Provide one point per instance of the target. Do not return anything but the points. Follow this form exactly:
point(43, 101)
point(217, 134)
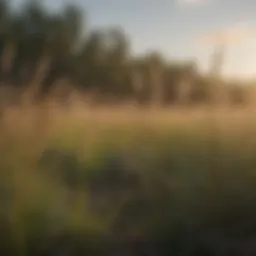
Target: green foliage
point(97, 189)
point(176, 191)
point(98, 62)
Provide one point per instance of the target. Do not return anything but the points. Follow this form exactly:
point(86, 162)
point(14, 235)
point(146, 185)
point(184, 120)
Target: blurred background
point(127, 127)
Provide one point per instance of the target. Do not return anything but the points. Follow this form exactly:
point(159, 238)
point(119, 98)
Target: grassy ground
point(86, 181)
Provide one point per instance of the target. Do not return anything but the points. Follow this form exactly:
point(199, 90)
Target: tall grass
point(95, 181)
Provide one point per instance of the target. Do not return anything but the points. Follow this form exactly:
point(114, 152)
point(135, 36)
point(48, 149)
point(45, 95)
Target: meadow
point(85, 172)
point(127, 181)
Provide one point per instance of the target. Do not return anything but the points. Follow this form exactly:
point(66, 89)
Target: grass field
point(86, 181)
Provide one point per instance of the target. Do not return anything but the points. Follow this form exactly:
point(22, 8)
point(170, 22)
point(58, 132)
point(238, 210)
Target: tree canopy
point(41, 47)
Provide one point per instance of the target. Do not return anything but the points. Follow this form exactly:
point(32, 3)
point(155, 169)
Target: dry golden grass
point(199, 174)
point(40, 122)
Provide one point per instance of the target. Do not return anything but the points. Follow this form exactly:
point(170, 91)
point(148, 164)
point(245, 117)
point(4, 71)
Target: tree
point(39, 48)
point(155, 64)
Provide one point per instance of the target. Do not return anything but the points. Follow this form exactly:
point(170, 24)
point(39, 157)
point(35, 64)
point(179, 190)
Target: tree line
point(43, 50)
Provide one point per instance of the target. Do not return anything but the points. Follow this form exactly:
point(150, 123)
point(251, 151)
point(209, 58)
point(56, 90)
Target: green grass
point(185, 180)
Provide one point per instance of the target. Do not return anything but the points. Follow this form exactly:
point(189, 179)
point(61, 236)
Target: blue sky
point(173, 27)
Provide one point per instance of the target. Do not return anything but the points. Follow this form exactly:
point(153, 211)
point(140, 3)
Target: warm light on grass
point(85, 174)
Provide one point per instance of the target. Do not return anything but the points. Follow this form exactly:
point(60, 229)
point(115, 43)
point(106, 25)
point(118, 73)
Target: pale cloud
point(191, 2)
point(238, 33)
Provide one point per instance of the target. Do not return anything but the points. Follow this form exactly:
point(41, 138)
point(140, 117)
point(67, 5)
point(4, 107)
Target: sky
point(181, 29)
